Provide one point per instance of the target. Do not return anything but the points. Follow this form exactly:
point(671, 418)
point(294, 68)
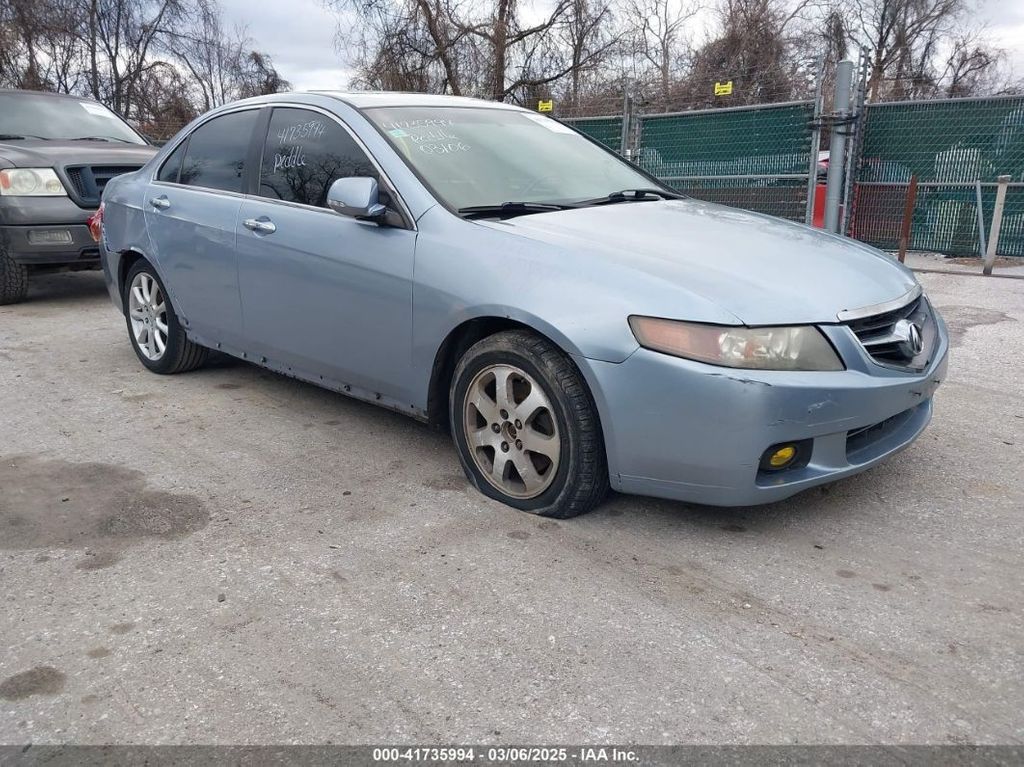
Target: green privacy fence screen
point(755, 157)
point(758, 158)
point(950, 145)
point(607, 130)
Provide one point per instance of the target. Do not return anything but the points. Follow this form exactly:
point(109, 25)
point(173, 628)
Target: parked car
point(57, 153)
point(573, 322)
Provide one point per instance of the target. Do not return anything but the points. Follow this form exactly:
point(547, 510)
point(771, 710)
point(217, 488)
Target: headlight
point(31, 182)
point(794, 348)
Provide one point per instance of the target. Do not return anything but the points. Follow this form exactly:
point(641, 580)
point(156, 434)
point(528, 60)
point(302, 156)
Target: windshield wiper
point(19, 137)
point(510, 209)
point(100, 138)
point(633, 195)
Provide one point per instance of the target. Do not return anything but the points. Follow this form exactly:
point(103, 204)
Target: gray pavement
point(230, 556)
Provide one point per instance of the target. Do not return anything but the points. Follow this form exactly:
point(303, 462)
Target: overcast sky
point(299, 35)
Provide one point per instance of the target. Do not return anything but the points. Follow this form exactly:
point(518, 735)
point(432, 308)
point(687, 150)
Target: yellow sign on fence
point(545, 106)
point(723, 89)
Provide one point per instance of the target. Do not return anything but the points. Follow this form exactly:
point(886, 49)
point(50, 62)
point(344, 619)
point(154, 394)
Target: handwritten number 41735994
point(313, 129)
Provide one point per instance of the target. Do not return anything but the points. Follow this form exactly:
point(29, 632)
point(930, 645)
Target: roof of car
point(365, 99)
point(47, 93)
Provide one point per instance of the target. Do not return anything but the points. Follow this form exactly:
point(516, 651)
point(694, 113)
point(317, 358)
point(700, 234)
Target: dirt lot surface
point(230, 556)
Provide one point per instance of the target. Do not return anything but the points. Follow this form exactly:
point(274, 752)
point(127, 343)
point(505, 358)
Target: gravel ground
point(230, 556)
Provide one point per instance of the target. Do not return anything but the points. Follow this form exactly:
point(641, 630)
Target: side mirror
point(356, 196)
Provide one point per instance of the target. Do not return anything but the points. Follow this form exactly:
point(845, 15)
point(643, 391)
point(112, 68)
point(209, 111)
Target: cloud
point(298, 35)
point(1005, 23)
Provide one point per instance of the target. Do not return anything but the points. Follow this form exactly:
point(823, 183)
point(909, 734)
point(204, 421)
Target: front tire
point(157, 337)
point(526, 428)
point(13, 279)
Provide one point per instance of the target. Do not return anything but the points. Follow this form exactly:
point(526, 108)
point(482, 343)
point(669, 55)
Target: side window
point(215, 158)
point(305, 152)
point(171, 166)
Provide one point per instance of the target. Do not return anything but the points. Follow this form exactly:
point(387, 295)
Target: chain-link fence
point(607, 130)
point(765, 158)
point(956, 148)
point(753, 157)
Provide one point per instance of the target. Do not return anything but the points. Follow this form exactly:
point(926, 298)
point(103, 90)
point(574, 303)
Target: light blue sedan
point(573, 322)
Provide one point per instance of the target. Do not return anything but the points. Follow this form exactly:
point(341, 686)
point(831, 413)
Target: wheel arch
point(126, 259)
point(463, 336)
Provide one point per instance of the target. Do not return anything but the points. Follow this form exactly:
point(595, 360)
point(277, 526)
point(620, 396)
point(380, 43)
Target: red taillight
point(96, 224)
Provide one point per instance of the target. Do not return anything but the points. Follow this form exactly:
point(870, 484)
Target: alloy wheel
point(511, 431)
point(147, 312)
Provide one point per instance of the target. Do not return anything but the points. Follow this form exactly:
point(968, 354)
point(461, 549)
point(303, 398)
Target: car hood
point(49, 154)
point(760, 269)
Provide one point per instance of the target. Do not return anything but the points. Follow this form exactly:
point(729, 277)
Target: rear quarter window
point(216, 153)
point(172, 165)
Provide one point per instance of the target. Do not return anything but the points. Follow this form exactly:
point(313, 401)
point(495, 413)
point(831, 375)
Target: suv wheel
point(13, 279)
point(156, 335)
point(526, 428)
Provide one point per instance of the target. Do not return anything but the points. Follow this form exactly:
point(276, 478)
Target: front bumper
point(24, 245)
point(687, 431)
point(29, 222)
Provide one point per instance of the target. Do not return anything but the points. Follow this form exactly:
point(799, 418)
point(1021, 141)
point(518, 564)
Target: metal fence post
point(997, 222)
point(625, 141)
point(837, 147)
point(908, 218)
point(812, 171)
point(982, 249)
point(856, 142)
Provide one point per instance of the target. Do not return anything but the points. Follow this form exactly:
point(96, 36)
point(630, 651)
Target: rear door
point(324, 294)
point(191, 209)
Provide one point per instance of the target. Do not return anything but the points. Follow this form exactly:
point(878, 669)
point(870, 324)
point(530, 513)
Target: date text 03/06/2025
point(504, 754)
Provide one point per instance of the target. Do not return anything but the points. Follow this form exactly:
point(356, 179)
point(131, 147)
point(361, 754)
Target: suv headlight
point(31, 182)
point(802, 347)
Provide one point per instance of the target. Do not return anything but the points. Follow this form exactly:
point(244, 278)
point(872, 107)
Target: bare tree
point(755, 47)
point(122, 38)
point(223, 64)
point(38, 46)
point(586, 33)
point(656, 41)
point(157, 62)
point(917, 46)
point(480, 48)
point(971, 67)
point(165, 102)
point(204, 50)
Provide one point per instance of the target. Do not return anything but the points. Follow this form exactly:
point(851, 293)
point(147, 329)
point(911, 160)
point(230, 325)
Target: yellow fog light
point(782, 456)
point(786, 456)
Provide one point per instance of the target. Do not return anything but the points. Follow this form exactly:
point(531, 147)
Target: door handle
point(160, 202)
point(260, 225)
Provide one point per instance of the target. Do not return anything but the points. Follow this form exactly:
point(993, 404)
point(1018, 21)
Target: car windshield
point(47, 117)
point(481, 157)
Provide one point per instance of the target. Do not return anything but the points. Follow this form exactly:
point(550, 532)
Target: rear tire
point(156, 335)
point(526, 428)
point(13, 279)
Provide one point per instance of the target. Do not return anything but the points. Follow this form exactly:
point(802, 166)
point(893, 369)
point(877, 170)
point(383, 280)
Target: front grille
point(880, 339)
point(77, 179)
point(89, 181)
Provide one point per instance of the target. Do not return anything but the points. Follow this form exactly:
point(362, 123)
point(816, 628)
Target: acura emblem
point(908, 338)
